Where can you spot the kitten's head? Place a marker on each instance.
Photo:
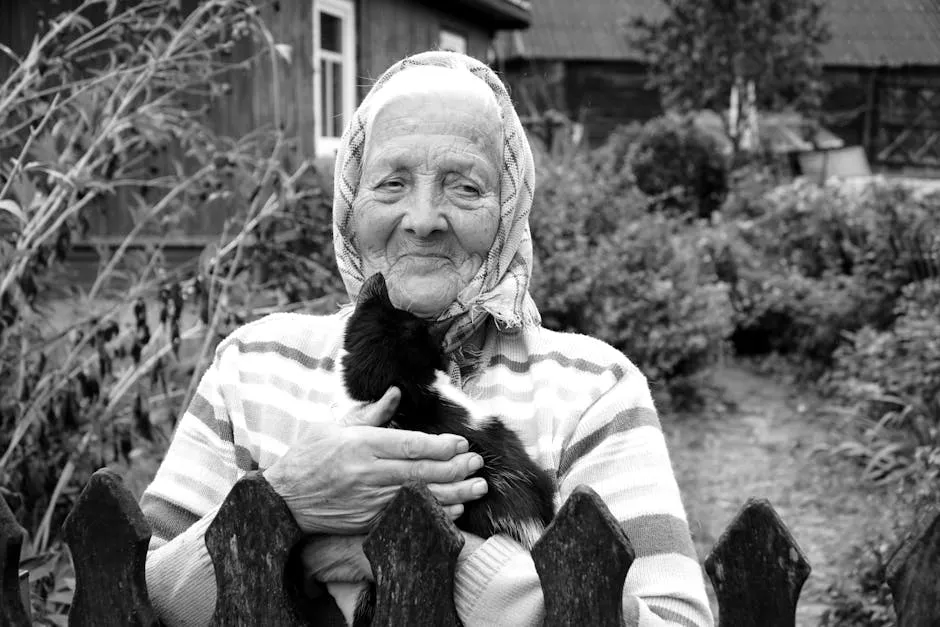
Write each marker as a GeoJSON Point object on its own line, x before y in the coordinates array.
{"type": "Point", "coordinates": [386, 346]}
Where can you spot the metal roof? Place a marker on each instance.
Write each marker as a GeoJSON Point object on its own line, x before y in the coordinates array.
{"type": "Point", "coordinates": [869, 33]}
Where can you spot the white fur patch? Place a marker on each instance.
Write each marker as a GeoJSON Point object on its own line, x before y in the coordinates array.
{"type": "Point", "coordinates": [526, 532]}
{"type": "Point", "coordinates": [346, 595]}
{"type": "Point", "coordinates": [455, 395]}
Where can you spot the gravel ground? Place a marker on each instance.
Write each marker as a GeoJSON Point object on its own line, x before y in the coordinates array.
{"type": "Point", "coordinates": [758, 442]}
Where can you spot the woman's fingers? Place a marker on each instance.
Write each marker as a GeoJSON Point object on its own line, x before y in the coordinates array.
{"type": "Point", "coordinates": [453, 511]}
{"type": "Point", "coordinates": [374, 414]}
{"type": "Point", "coordinates": [395, 444]}
{"type": "Point", "coordinates": [458, 492]}
{"type": "Point", "coordinates": [400, 471]}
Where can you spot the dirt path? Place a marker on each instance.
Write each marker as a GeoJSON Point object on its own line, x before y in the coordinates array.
{"type": "Point", "coordinates": [760, 444]}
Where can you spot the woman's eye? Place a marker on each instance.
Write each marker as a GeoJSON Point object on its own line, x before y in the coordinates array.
{"type": "Point", "coordinates": [391, 186]}
{"type": "Point", "coordinates": [468, 190]}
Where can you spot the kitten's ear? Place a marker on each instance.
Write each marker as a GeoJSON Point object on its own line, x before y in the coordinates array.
{"type": "Point", "coordinates": [374, 288]}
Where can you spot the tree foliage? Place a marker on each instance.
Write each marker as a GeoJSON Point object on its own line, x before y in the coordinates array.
{"type": "Point", "coordinates": [701, 48]}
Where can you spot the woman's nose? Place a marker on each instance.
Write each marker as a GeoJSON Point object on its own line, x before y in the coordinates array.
{"type": "Point", "coordinates": [424, 215]}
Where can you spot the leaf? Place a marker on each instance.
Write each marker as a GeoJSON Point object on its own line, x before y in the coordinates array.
{"type": "Point", "coordinates": [61, 620]}
{"type": "Point", "coordinates": [11, 207]}
{"type": "Point", "coordinates": [39, 566]}
{"type": "Point", "coordinates": [64, 597]}
{"type": "Point", "coordinates": [66, 583]}
{"type": "Point", "coordinates": [286, 51]}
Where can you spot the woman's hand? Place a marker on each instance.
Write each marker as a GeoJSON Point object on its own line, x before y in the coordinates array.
{"type": "Point", "coordinates": [339, 477]}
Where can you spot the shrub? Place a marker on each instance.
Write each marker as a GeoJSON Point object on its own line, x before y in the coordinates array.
{"type": "Point", "coordinates": [892, 379]}
{"type": "Point", "coordinates": [819, 261]}
{"type": "Point", "coordinates": [681, 165]}
{"type": "Point", "coordinates": [95, 377]}
{"type": "Point", "coordinates": [608, 268]}
{"type": "Point", "coordinates": [863, 597]}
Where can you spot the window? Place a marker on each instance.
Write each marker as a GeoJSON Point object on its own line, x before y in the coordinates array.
{"type": "Point", "coordinates": [450, 40]}
{"type": "Point", "coordinates": [334, 66]}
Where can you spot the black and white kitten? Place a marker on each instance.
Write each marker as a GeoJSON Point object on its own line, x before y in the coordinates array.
{"type": "Point", "coordinates": [385, 346]}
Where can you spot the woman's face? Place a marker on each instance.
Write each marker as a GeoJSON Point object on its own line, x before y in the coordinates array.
{"type": "Point", "coordinates": [427, 209]}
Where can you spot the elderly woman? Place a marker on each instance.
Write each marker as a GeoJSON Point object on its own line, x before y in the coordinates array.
{"type": "Point", "coordinates": [433, 188]}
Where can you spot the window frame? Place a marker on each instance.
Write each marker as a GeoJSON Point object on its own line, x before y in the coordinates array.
{"type": "Point", "coordinates": [345, 11]}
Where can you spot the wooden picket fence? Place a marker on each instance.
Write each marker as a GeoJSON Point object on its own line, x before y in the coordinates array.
{"type": "Point", "coordinates": [756, 567]}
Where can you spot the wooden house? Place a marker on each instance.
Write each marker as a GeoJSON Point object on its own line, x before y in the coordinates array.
{"type": "Point", "coordinates": [338, 47]}
{"type": "Point", "coordinates": [882, 66]}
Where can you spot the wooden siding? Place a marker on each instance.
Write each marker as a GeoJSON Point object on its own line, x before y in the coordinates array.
{"type": "Point", "coordinates": [390, 30]}
{"type": "Point", "coordinates": [250, 105]}
{"type": "Point", "coordinates": [601, 95]}
{"type": "Point", "coordinates": [889, 111]}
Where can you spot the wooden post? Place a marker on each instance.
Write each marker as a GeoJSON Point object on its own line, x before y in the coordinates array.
{"type": "Point", "coordinates": [14, 611]}
{"type": "Point", "coordinates": [913, 573]}
{"type": "Point", "coordinates": [757, 569]}
{"type": "Point", "coordinates": [108, 536]}
{"type": "Point", "coordinates": [413, 550]}
{"type": "Point", "coordinates": [582, 560]}
{"type": "Point", "coordinates": [250, 541]}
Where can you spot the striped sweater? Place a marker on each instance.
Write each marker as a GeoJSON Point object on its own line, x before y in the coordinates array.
{"type": "Point", "coordinates": [582, 410]}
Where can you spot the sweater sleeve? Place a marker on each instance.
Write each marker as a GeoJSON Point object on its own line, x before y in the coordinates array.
{"type": "Point", "coordinates": [618, 449]}
{"type": "Point", "coordinates": [201, 465]}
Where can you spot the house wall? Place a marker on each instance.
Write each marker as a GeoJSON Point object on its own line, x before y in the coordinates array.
{"type": "Point", "coordinates": [263, 95]}
{"type": "Point", "coordinates": [599, 94]}
{"type": "Point", "coordinates": [250, 105]}
{"type": "Point", "coordinates": [893, 112]}
{"type": "Point", "coordinates": [390, 30]}
{"type": "Point", "coordinates": [605, 94]}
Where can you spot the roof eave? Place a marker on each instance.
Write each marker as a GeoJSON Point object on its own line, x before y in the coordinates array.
{"type": "Point", "coordinates": [503, 14]}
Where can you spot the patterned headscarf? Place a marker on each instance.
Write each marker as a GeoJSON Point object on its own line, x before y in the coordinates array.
{"type": "Point", "coordinates": [501, 286]}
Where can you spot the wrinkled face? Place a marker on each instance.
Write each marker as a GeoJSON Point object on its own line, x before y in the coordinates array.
{"type": "Point", "coordinates": [427, 209]}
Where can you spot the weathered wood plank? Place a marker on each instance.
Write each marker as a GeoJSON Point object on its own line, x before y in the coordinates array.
{"type": "Point", "coordinates": [13, 611]}
{"type": "Point", "coordinates": [413, 551]}
{"type": "Point", "coordinates": [913, 574]}
{"type": "Point", "coordinates": [108, 536]}
{"type": "Point", "coordinates": [250, 541]}
{"type": "Point", "coordinates": [757, 569]}
{"type": "Point", "coordinates": [582, 560]}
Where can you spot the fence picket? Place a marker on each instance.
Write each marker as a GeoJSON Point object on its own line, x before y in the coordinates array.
{"type": "Point", "coordinates": [582, 560]}
{"type": "Point", "coordinates": [108, 536]}
{"type": "Point", "coordinates": [757, 569]}
{"type": "Point", "coordinates": [413, 551]}
{"type": "Point", "coordinates": [250, 541]}
{"type": "Point", "coordinates": [14, 610]}
{"type": "Point", "coordinates": [913, 574]}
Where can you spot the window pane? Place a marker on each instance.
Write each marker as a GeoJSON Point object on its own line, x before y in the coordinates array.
{"type": "Point", "coordinates": [331, 32]}
{"type": "Point", "coordinates": [325, 99]}
{"type": "Point", "coordinates": [337, 99]}
{"type": "Point", "coordinates": [331, 98]}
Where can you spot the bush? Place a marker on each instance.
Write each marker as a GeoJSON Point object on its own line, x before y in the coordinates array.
{"type": "Point", "coordinates": [819, 261]}
{"type": "Point", "coordinates": [681, 165]}
{"type": "Point", "coordinates": [863, 598]}
{"type": "Point", "coordinates": [96, 377]}
{"type": "Point", "coordinates": [607, 267]}
{"type": "Point", "coordinates": [892, 379]}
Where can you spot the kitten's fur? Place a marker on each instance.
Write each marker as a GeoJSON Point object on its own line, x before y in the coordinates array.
{"type": "Point", "coordinates": [385, 347]}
